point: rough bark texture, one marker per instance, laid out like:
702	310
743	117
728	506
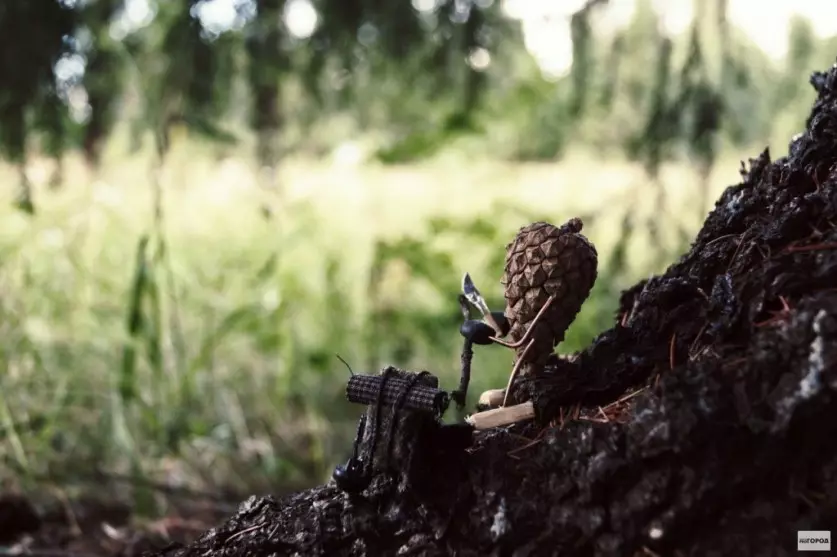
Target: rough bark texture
727	448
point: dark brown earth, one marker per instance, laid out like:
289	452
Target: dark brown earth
86	527
703	423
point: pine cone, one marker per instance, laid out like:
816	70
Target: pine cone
541	261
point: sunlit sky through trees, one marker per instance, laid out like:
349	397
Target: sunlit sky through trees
547	31
545	22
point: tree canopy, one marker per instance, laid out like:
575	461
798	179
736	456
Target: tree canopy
420	72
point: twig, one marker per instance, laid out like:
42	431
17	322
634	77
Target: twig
519	343
671	352
593	419
245	531
628	396
516	369
502	416
737	249
811	247
697	338
492	398
734	362
719	238
538	438
345	363
777	315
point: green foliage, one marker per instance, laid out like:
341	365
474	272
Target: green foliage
403	76
203	340
205	346
420	145
547	132
186	73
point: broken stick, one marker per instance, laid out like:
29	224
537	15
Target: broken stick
502	416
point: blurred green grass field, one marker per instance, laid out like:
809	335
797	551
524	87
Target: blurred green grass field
219	370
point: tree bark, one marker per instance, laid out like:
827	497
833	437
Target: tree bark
702	423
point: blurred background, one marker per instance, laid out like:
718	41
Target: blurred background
205	201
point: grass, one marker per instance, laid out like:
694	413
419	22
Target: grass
201	353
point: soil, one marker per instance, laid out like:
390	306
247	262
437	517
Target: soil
702	423
87	527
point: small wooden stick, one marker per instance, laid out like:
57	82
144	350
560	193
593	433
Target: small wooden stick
526	336
492	398
516	369
502	416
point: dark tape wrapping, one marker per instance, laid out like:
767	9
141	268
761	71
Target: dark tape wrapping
363	389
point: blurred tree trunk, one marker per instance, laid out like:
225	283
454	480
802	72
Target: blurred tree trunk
268	62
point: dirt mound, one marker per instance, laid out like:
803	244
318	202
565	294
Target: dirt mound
88	526
726	446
